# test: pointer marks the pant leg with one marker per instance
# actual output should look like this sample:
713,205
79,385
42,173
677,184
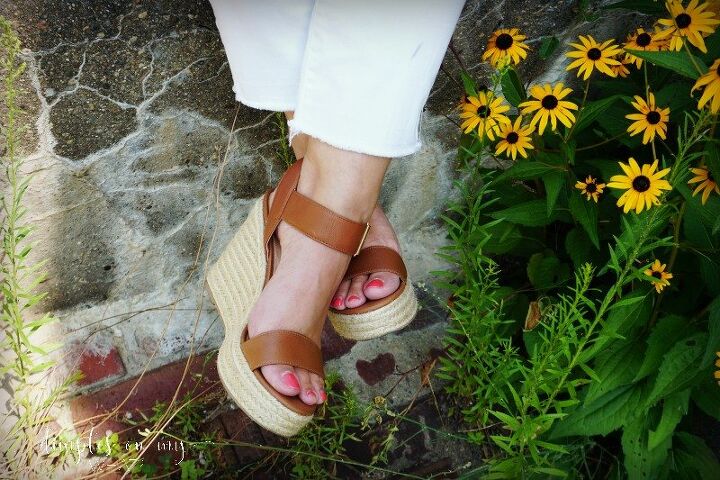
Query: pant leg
368,69
264,42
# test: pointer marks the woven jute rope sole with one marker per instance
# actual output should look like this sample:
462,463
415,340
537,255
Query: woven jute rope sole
234,283
386,319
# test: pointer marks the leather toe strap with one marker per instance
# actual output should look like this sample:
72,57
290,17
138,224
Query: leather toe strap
377,259
282,347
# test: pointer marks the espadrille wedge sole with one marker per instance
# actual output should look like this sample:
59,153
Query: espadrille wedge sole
377,317
392,317
235,282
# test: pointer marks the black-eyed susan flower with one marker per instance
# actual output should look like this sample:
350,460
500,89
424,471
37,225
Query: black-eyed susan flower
642,186
691,22
514,139
622,70
660,277
710,81
706,183
590,54
547,103
650,119
590,188
717,364
484,112
504,46
643,40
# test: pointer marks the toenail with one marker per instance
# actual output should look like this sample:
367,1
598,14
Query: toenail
290,380
353,298
337,302
323,395
375,282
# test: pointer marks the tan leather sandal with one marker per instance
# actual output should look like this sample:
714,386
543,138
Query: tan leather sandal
384,315
235,282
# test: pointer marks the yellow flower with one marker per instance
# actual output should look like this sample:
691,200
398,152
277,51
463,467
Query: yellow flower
717,364
505,45
514,139
651,119
706,181
548,103
591,188
690,22
484,112
659,275
711,82
641,40
591,54
642,186
621,70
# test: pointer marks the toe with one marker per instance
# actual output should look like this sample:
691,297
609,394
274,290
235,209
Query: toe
380,285
307,391
355,296
282,378
338,301
319,387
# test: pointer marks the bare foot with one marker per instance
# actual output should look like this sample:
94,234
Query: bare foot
358,290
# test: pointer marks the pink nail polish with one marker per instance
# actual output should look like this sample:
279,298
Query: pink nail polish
290,380
375,282
337,302
353,298
323,395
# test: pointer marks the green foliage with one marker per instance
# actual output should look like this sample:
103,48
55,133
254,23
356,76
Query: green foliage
559,342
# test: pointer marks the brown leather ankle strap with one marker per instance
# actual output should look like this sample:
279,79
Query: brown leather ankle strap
312,219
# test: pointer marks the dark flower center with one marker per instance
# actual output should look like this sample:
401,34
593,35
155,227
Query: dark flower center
504,41
512,137
641,183
549,102
657,275
594,54
653,117
643,39
683,20
591,188
483,111
710,176
717,70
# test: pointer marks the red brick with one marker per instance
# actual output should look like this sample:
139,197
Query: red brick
333,345
98,367
241,429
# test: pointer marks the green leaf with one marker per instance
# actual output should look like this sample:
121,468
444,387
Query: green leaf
577,246
679,367
694,459
554,181
641,462
529,214
679,62
586,213
616,366
593,110
674,409
545,271
547,46
712,159
603,416
707,397
666,333
713,332
512,87
468,83
651,7
528,170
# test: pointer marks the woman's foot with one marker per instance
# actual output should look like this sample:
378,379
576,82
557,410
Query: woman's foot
307,273
356,291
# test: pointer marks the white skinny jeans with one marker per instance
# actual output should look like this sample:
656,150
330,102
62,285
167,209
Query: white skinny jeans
357,73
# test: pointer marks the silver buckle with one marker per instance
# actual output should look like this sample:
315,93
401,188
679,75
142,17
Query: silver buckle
362,240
